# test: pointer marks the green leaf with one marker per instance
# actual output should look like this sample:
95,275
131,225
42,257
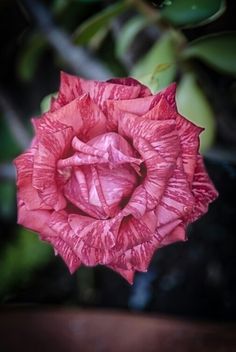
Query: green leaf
192,12
46,102
193,104
21,257
217,50
30,56
89,28
128,34
158,67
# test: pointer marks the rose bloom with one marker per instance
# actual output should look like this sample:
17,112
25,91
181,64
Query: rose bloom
113,173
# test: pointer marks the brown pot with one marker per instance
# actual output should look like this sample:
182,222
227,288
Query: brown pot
62,330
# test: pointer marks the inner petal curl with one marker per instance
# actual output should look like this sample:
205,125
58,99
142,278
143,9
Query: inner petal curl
101,174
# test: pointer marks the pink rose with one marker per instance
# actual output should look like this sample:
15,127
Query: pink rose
113,174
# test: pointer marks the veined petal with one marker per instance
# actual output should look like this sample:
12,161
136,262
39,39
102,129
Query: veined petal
67,254
35,220
203,190
129,81
159,170
136,258
77,191
188,134
189,141
26,192
113,109
170,94
95,233
178,234
90,240
133,232
177,201
71,87
83,115
50,148
69,90
163,232
71,114
137,205
162,110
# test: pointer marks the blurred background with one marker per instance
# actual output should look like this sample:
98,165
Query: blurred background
157,42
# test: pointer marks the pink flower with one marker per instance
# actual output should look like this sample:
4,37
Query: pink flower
113,174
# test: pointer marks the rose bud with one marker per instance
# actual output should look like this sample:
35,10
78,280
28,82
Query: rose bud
113,174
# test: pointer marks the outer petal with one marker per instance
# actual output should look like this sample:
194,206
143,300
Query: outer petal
35,220
67,254
154,107
136,258
133,232
188,133
26,192
83,115
111,107
71,87
178,234
83,238
50,148
177,201
159,170
129,81
203,190
96,238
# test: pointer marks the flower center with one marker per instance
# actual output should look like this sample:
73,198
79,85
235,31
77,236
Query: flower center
101,174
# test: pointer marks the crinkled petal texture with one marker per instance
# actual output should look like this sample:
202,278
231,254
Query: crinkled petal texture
113,174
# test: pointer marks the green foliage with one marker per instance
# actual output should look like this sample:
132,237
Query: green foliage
217,50
192,12
193,104
158,67
20,258
128,33
89,28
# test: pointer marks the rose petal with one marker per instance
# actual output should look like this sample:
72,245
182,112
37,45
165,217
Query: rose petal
170,94
178,234
50,148
203,190
161,110
26,192
133,232
90,239
35,220
114,108
177,201
159,170
67,254
136,258
83,115
129,81
71,87
78,192
137,205
163,232
188,133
